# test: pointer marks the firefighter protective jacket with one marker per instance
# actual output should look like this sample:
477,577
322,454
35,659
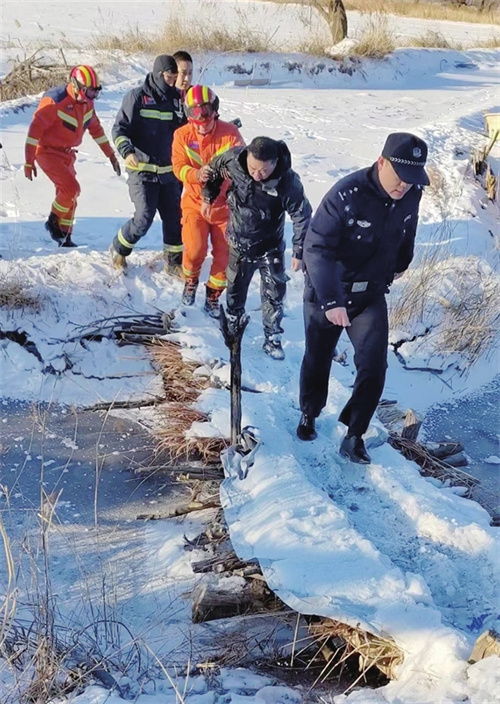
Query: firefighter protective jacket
257,208
145,125
59,123
191,151
359,239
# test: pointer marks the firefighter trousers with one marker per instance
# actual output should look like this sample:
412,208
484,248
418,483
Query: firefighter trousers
196,232
273,280
368,333
59,166
149,196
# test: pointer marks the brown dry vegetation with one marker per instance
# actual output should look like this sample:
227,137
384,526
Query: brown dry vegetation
16,294
422,10
32,75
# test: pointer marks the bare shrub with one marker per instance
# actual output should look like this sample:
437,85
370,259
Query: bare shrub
31,76
16,294
375,40
432,39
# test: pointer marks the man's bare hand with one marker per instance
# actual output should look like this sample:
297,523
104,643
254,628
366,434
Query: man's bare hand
131,160
203,174
338,316
297,264
206,210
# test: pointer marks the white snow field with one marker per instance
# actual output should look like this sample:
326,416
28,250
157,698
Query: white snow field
378,546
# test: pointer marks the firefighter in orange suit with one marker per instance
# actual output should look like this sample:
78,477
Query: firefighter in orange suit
194,146
58,126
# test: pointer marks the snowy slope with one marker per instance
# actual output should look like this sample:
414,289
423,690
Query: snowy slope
377,546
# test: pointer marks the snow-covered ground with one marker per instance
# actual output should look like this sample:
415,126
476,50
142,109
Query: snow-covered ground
377,546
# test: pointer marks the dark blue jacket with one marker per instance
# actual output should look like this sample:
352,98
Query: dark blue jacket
358,234
145,124
257,208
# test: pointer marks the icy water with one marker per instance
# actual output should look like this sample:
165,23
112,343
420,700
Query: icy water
475,423
88,457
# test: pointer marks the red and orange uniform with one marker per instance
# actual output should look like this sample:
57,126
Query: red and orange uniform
190,152
58,126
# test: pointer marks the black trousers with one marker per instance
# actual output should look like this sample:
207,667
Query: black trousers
149,197
273,279
368,333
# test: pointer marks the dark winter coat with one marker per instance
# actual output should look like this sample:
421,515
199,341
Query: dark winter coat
257,208
145,124
359,234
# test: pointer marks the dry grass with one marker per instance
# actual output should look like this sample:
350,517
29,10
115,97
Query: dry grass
15,294
173,439
372,650
178,381
421,10
376,40
30,76
206,34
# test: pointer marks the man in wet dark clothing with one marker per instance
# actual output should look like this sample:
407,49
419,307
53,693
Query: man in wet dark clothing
360,239
263,188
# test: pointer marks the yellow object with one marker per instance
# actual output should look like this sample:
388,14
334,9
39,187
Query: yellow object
492,120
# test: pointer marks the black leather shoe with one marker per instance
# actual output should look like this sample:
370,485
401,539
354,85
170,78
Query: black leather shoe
306,428
353,448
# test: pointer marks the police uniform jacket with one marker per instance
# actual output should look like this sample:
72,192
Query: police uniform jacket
145,125
358,240
257,208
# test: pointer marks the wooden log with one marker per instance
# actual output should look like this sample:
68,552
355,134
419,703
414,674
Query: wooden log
411,425
487,644
210,604
181,511
233,335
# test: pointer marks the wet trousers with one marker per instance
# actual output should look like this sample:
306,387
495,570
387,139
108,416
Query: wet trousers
273,279
196,233
368,333
149,196
59,166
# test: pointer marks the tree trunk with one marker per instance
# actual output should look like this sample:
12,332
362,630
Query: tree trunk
337,20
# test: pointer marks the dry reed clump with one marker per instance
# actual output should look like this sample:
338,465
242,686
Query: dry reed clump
458,301
433,40
471,314
204,34
372,650
173,439
375,40
178,381
32,76
15,294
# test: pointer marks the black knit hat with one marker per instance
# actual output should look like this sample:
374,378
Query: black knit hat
164,63
407,155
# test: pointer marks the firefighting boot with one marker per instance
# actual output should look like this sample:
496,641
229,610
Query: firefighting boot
68,242
173,264
212,306
189,293
52,227
118,260
272,347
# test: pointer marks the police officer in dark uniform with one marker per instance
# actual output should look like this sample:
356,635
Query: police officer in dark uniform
143,133
360,239
263,188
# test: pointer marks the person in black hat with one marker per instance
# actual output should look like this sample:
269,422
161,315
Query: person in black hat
360,239
143,133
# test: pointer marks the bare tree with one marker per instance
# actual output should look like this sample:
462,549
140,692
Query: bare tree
334,14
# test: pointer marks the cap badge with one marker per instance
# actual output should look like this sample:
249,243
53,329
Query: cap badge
417,152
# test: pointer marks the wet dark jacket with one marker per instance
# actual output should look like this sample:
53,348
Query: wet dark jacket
257,208
145,124
358,234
